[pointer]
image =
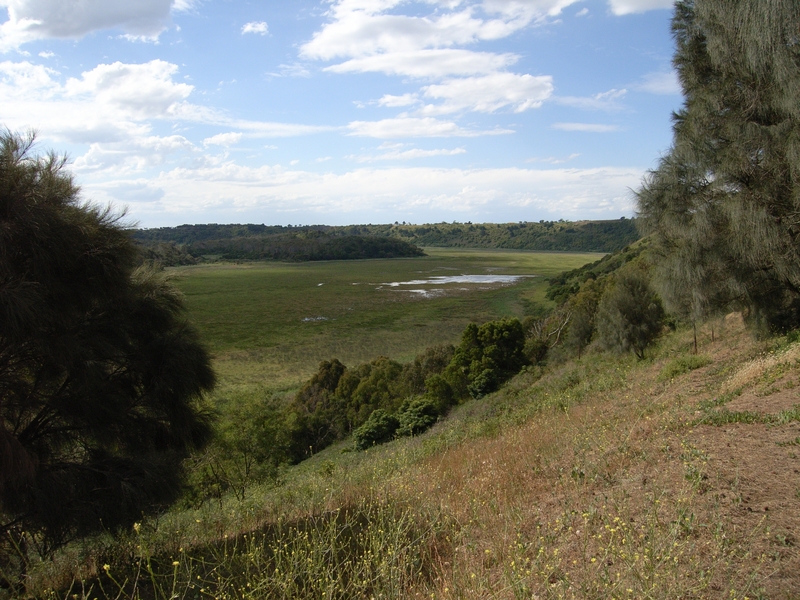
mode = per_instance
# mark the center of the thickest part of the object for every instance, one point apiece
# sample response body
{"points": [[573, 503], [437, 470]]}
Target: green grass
{"points": [[683, 364], [270, 324]]}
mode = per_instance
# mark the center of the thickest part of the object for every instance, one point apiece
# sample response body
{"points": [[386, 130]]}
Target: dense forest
{"points": [[304, 246], [186, 244]]}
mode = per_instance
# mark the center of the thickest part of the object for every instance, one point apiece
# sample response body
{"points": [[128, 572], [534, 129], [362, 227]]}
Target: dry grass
{"points": [[760, 368]]}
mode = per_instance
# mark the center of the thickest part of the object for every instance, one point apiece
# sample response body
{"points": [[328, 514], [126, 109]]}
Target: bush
{"points": [[417, 416], [380, 427], [487, 356], [483, 384], [440, 392], [630, 315]]}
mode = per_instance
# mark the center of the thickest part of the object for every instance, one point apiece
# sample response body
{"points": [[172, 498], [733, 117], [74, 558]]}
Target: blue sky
{"points": [[345, 111]]}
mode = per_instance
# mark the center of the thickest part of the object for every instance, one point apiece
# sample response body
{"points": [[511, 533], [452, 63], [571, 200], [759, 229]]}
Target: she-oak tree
{"points": [[101, 377], [724, 204]]}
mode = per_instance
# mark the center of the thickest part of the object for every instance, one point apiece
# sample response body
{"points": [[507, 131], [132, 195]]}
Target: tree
{"points": [[101, 377], [486, 357], [630, 315], [583, 308], [724, 204]]}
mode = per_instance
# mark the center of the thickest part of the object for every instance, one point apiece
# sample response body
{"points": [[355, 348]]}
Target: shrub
{"points": [[440, 392], [483, 384], [630, 315], [417, 416], [487, 356], [380, 427]]}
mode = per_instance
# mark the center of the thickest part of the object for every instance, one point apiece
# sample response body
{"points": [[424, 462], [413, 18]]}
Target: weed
{"points": [[683, 364], [725, 417]]}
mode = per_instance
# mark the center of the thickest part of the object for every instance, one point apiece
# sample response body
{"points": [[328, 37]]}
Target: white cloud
{"points": [[589, 127], [361, 28], [582, 12], [409, 127], [488, 93], [293, 70], [665, 84], [41, 19], [131, 155], [397, 101], [554, 160], [609, 100], [114, 109], [379, 195], [626, 7], [432, 63], [24, 79], [526, 9], [139, 91], [259, 27], [223, 139], [414, 153], [46, 54]]}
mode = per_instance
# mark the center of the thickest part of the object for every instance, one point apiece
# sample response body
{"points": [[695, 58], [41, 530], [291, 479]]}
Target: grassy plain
{"points": [[270, 324]]}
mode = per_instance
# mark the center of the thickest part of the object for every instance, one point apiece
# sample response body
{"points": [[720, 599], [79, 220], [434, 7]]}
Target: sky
{"points": [[345, 111]]}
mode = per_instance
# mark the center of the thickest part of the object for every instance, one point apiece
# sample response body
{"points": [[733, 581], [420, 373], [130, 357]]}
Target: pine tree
{"points": [[101, 376], [724, 204]]}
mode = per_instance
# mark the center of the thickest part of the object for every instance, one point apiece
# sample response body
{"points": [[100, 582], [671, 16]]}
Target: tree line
{"points": [[306, 246], [187, 244]]}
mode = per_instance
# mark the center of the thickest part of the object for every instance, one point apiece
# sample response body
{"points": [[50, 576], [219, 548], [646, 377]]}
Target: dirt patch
{"points": [[771, 404], [752, 474]]}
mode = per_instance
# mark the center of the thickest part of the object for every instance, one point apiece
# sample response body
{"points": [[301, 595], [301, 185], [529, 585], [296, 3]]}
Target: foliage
{"points": [[252, 443], [303, 243], [438, 391], [420, 375], [417, 415], [101, 377], [487, 356], [563, 286], [722, 205], [583, 308], [630, 315], [299, 247], [167, 254], [380, 386], [380, 427]]}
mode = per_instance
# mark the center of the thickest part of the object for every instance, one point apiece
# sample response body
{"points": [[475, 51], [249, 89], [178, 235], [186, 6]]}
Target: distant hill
{"points": [[188, 243], [560, 236], [191, 243]]}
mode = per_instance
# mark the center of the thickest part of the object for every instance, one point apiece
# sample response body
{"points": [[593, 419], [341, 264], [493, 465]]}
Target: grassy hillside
{"points": [[673, 477]]}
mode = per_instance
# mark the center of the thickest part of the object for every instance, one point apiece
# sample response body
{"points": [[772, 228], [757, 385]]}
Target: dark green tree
{"points": [[724, 204], [487, 356], [379, 428], [101, 376], [630, 315]]}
